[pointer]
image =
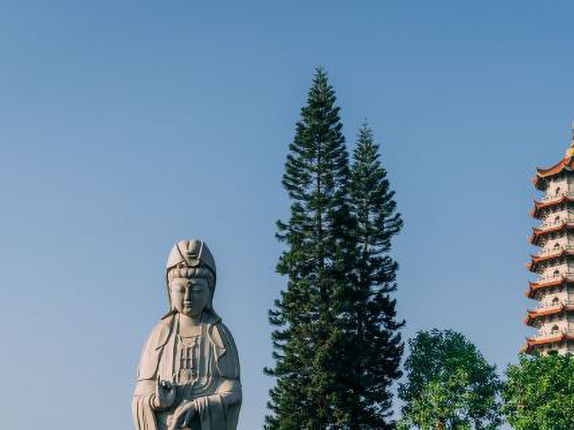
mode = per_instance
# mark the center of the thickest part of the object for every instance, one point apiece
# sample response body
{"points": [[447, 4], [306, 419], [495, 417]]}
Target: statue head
{"points": [[190, 278]]}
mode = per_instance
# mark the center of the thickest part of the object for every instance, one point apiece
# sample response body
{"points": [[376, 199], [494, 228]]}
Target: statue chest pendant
{"points": [[187, 360]]}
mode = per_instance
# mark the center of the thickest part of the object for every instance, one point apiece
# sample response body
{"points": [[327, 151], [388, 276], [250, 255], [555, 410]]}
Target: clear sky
{"points": [[127, 125]]}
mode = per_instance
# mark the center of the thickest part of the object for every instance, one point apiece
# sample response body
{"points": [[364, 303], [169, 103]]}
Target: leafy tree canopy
{"points": [[449, 385], [539, 393]]}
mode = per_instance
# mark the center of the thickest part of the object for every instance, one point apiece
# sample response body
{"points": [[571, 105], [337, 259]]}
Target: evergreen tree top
{"points": [[375, 204], [336, 343], [317, 162]]}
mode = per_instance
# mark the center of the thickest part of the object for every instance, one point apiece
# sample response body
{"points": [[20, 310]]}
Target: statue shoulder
{"points": [[160, 333], [225, 350], [153, 348]]}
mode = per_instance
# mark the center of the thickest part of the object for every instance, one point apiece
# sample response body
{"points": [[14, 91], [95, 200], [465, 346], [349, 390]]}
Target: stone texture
{"points": [[188, 376]]}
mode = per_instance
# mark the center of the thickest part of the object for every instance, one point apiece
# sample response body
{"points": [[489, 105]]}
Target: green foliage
{"points": [[311, 316], [377, 342], [336, 347], [449, 385], [539, 393]]}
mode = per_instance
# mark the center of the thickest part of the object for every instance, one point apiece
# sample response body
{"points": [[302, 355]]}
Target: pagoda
{"points": [[553, 315]]}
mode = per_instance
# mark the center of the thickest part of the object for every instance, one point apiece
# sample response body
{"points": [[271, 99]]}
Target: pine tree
{"points": [[312, 316], [376, 339]]}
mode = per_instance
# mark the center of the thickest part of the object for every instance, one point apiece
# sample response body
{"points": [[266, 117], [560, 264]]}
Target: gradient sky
{"points": [[127, 125]]}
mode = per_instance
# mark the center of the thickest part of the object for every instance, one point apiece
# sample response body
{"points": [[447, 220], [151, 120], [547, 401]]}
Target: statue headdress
{"points": [[189, 258], [189, 255]]}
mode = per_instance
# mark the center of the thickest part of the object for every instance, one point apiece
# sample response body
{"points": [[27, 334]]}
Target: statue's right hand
{"points": [[183, 415], [164, 394]]}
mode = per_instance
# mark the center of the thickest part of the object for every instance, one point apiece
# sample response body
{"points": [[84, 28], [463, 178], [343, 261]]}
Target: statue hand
{"points": [[164, 394], [182, 416]]}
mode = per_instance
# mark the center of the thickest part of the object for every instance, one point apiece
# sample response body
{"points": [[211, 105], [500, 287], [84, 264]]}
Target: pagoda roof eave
{"points": [[559, 281], [566, 164], [534, 287], [537, 233], [530, 342], [536, 260], [533, 315], [535, 212]]}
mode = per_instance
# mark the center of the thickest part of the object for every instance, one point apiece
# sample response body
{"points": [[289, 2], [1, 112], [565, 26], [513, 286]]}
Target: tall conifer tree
{"points": [[309, 318], [336, 342], [377, 342]]}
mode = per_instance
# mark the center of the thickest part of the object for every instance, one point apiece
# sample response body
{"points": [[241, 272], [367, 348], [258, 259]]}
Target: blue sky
{"points": [[125, 126]]}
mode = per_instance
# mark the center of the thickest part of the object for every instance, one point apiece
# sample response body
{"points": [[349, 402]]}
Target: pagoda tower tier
{"points": [[553, 315], [553, 285], [543, 208], [553, 228]]}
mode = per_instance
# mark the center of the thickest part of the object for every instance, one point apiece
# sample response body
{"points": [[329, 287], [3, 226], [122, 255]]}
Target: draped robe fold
{"points": [[216, 393]]}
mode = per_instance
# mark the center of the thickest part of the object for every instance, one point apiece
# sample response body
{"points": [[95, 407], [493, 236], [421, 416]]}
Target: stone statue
{"points": [[188, 376]]}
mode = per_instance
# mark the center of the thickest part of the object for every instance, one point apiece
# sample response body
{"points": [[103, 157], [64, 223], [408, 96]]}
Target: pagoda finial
{"points": [[570, 150]]}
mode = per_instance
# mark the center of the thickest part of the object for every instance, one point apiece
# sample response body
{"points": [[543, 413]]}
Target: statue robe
{"points": [[215, 389]]}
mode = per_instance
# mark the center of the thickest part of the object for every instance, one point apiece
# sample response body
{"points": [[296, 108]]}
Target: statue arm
{"points": [[143, 405], [229, 370], [144, 400], [230, 392]]}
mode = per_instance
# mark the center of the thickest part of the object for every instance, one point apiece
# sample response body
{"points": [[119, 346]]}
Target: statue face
{"points": [[189, 296]]}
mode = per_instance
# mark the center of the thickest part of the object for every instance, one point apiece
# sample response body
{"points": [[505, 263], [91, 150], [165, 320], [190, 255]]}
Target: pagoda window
{"points": [[554, 330], [557, 190], [555, 300]]}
